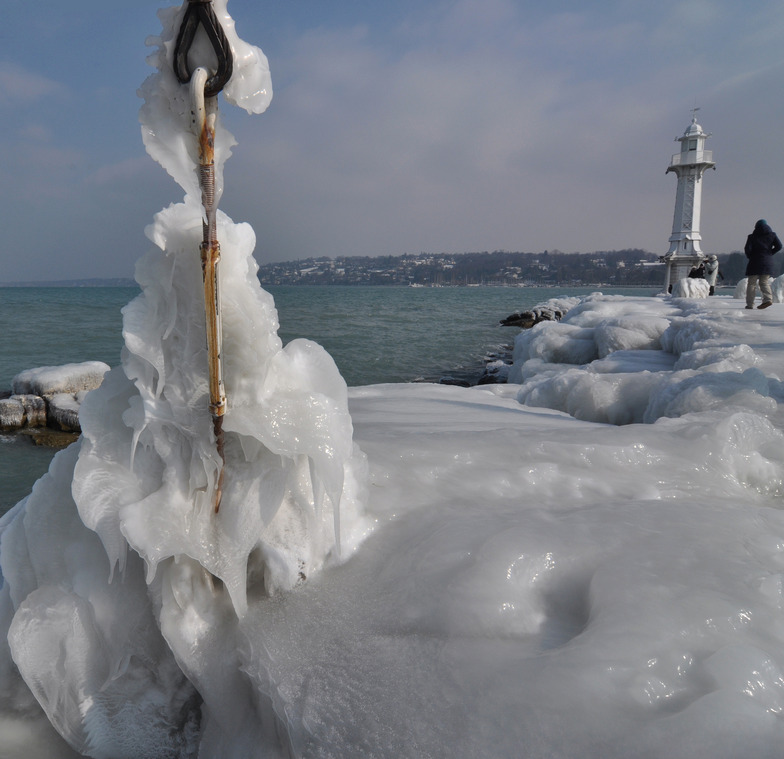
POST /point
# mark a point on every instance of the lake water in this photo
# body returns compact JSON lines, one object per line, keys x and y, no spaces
{"x":374,"y":334}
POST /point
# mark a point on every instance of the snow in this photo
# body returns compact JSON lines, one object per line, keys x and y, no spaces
{"x":51,"y":380}
{"x":587,"y":561}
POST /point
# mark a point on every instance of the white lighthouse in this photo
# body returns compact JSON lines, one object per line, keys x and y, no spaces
{"x":689,"y":165}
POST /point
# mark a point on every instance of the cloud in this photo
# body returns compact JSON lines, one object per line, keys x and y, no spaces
{"x":440,"y":144}
{"x":120,"y":172}
{"x":18,"y":86}
{"x":35,"y":133}
{"x":35,"y":172}
{"x":500,"y":129}
{"x":455,"y":125}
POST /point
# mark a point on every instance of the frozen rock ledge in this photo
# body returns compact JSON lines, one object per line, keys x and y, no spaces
{"x":50,"y":396}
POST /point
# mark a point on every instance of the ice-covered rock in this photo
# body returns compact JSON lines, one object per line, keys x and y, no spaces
{"x":691,"y":287}
{"x":496,"y":371}
{"x":527,"y":319}
{"x":22,"y":411}
{"x":776,"y":287}
{"x":595,"y":328}
{"x":62,"y":412}
{"x":551,"y":310}
{"x":631,"y":369}
{"x":50,"y":396}
{"x":12,"y":413}
{"x":68,"y":378}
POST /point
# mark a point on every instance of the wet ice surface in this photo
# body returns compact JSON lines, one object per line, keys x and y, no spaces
{"x":543,"y":586}
{"x":540,"y":586}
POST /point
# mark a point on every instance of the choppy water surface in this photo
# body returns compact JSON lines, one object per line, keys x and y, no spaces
{"x":49,"y":326}
{"x":403,"y":334}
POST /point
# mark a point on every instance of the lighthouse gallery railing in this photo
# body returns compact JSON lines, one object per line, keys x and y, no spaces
{"x":692,"y":157}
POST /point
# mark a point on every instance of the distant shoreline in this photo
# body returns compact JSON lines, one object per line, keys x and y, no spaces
{"x":95,"y":282}
{"x":131,"y":283}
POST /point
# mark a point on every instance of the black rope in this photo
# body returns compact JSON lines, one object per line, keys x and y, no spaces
{"x":201,"y":12}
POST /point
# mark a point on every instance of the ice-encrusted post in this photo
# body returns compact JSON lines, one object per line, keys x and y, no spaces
{"x":204,"y":90}
{"x":124,"y":607}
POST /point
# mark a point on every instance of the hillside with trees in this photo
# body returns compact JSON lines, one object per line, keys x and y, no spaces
{"x":618,"y":268}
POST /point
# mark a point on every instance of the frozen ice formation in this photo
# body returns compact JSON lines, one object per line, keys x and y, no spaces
{"x":68,"y":378}
{"x":166,"y":113}
{"x":776,"y":286}
{"x":22,"y":411}
{"x":607,"y":361}
{"x":123,"y":592}
{"x":50,"y":395}
{"x":690,"y":288}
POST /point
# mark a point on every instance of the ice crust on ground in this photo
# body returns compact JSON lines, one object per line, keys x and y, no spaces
{"x":538,"y":582}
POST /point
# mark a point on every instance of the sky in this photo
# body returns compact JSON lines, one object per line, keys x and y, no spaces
{"x":400,"y":127}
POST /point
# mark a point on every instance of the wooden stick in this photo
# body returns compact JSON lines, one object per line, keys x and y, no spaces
{"x":205,"y":113}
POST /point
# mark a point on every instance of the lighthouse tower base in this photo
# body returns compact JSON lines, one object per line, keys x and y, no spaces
{"x":678,"y":266}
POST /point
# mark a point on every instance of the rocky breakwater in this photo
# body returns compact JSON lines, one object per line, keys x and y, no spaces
{"x":498,"y":364}
{"x":49,"y":396}
{"x":527,"y":319}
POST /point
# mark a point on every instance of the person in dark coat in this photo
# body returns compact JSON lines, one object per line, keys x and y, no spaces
{"x":761,"y":245}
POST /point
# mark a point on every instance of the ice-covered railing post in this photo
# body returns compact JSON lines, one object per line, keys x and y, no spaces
{"x":125,"y":604}
{"x":204,"y":97}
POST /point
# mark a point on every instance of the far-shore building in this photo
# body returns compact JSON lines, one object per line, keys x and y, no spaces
{"x":689,"y":165}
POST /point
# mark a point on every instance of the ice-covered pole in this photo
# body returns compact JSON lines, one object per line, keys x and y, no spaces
{"x":210,"y":257}
{"x":204,"y":88}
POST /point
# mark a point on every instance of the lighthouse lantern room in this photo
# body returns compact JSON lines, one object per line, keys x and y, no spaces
{"x":689,"y":165}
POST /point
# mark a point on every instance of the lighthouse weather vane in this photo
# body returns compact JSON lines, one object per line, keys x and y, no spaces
{"x":205,"y":85}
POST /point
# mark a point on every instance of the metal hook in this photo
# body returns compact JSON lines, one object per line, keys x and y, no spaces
{"x":201,"y":12}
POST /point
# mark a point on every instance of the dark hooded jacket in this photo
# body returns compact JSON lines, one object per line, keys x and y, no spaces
{"x":761,"y":245}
